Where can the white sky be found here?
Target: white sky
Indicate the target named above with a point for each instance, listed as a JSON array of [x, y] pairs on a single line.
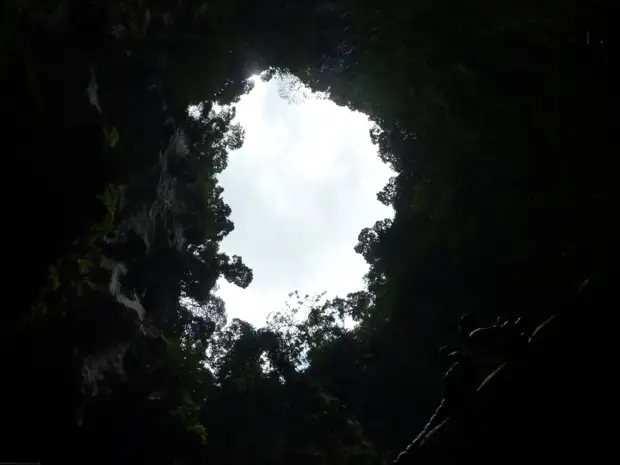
[[301, 188]]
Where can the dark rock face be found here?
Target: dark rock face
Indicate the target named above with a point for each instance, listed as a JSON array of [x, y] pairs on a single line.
[[556, 402]]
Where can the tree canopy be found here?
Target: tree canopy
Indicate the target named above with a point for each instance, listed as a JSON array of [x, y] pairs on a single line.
[[497, 118]]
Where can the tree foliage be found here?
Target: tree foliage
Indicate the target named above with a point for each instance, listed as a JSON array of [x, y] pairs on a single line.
[[497, 118]]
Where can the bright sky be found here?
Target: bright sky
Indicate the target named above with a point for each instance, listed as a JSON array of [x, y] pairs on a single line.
[[301, 188]]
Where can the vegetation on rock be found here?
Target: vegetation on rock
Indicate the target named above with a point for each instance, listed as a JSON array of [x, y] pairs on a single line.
[[498, 120]]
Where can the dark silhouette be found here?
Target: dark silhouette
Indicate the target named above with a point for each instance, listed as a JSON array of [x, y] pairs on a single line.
[[497, 119]]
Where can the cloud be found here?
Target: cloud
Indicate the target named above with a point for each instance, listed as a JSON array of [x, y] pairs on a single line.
[[301, 188]]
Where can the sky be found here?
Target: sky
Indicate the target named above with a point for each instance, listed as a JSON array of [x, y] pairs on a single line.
[[301, 189]]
